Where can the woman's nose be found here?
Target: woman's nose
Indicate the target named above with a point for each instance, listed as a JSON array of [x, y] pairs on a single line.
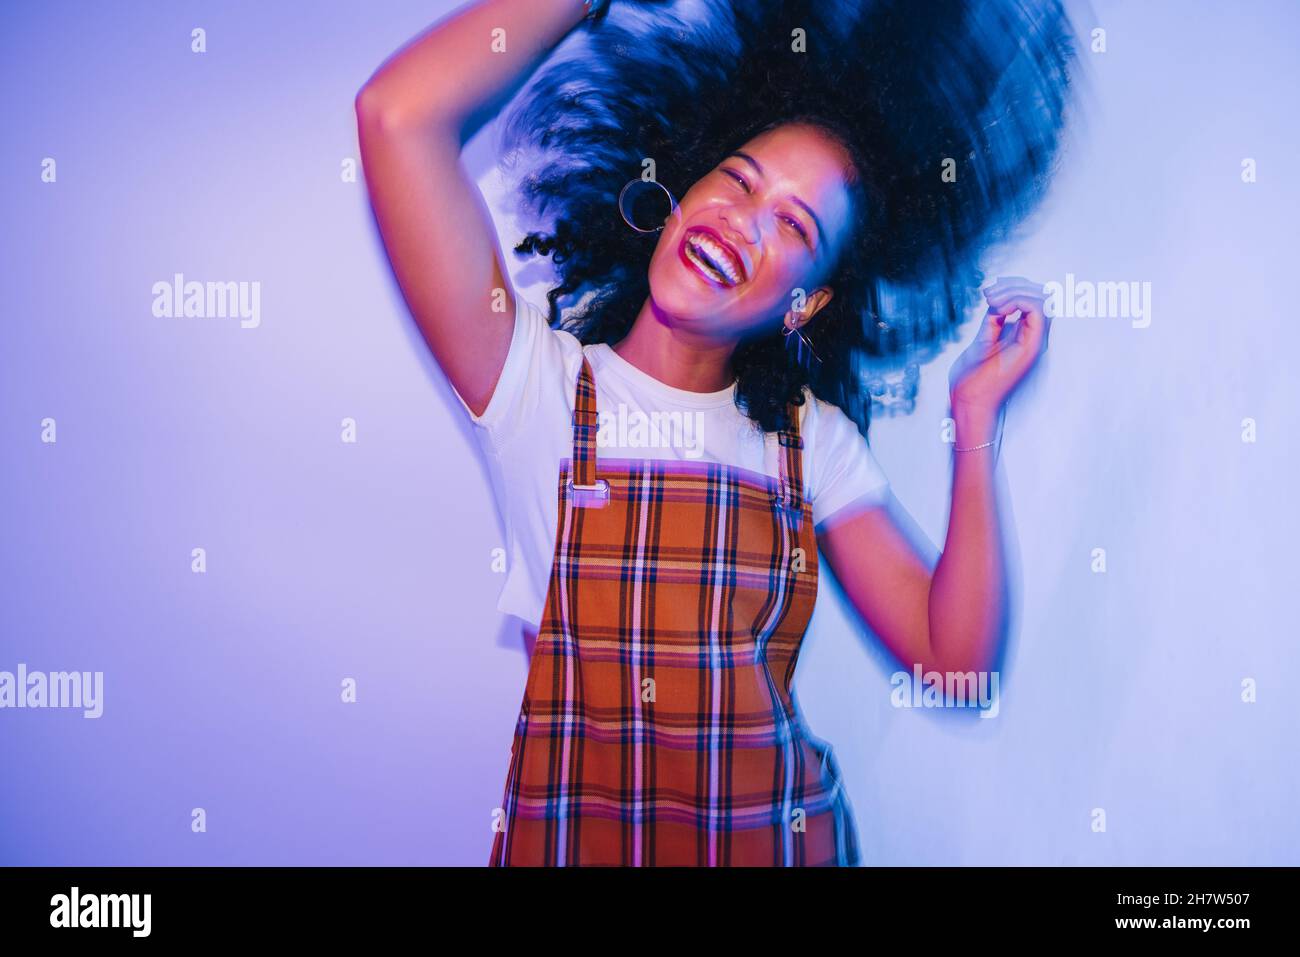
[[742, 222]]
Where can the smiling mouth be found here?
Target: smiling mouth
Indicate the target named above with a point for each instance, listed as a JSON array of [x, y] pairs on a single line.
[[703, 250]]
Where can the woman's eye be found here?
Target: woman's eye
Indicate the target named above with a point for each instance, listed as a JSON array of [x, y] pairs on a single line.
[[738, 178], [798, 226]]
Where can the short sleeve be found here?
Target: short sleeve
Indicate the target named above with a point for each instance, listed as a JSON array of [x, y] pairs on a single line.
[[532, 373], [846, 477]]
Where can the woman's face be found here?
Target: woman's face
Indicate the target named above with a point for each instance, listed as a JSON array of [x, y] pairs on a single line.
[[767, 220]]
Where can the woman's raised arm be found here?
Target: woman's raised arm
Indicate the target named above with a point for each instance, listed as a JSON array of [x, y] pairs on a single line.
[[413, 116]]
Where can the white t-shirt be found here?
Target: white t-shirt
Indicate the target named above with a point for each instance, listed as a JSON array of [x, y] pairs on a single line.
[[527, 432]]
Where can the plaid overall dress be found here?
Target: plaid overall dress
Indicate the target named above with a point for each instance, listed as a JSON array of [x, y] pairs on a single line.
[[657, 724]]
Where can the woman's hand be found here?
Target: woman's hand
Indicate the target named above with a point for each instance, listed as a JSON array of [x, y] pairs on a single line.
[[1000, 357]]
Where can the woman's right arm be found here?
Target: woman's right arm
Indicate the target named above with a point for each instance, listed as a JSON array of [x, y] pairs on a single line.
[[413, 116]]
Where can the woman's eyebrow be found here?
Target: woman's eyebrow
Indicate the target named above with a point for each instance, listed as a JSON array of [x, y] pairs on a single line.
[[794, 199]]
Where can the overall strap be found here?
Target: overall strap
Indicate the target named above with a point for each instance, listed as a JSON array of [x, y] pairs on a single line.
[[791, 447], [584, 427]]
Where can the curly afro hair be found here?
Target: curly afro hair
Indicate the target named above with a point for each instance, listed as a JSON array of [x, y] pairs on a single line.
[[951, 112]]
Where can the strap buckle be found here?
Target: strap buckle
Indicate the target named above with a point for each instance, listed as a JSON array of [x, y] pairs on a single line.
[[595, 495]]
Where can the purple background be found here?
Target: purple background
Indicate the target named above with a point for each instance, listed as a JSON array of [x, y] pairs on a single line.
[[372, 560]]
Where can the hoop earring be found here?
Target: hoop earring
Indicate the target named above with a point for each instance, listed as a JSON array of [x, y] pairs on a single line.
[[800, 349], [672, 204]]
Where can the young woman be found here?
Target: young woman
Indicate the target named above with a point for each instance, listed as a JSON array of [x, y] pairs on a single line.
[[823, 154]]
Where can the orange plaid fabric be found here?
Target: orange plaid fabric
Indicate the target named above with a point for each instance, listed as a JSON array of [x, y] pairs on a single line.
[[657, 725]]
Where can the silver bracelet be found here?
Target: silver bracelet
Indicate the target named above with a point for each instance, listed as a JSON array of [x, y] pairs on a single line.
[[985, 445]]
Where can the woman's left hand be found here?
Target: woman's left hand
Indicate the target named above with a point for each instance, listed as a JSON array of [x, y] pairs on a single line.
[[999, 358]]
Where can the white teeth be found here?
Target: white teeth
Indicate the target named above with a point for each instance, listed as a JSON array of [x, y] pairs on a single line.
[[704, 265], [719, 256]]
